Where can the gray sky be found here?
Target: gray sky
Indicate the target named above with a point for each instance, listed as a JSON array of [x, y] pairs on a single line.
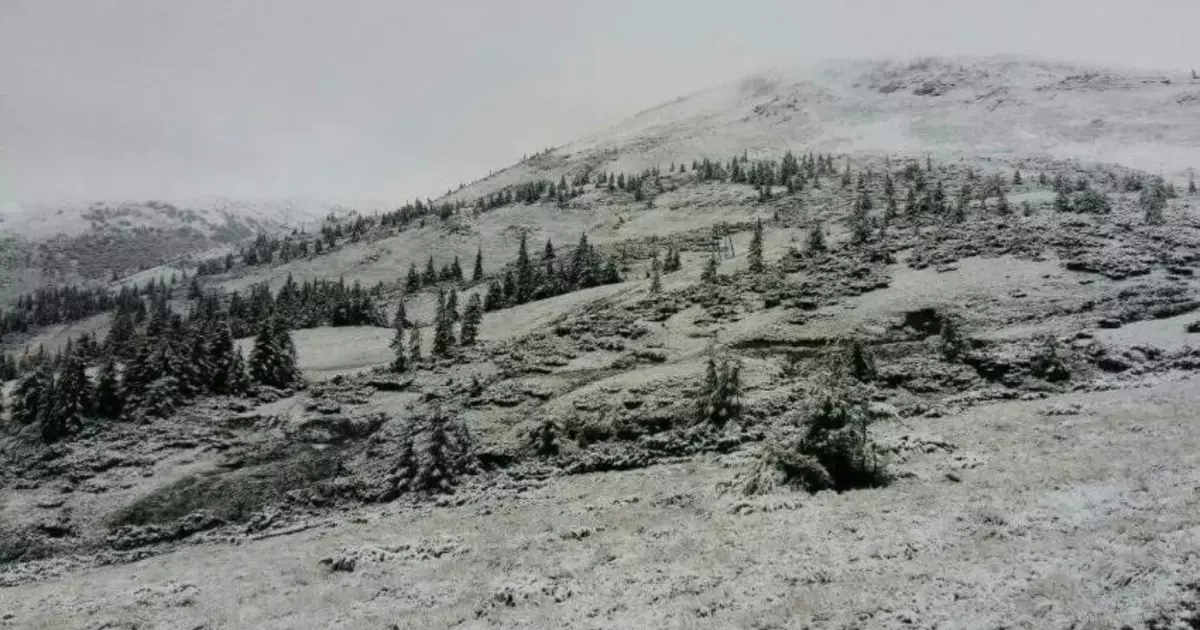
[[347, 99]]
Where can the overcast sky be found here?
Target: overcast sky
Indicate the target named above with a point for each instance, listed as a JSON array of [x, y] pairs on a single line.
[[135, 99]]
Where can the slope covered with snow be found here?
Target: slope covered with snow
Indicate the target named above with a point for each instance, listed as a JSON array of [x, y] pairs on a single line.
[[947, 107]]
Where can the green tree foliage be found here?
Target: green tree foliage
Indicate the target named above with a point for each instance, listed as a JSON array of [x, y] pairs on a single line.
[[756, 249], [29, 394], [471, 320], [1153, 200], [400, 320], [1091, 201], [70, 404], [429, 277], [953, 345], [860, 363], [720, 394], [413, 283], [816, 237], [838, 439], [435, 451], [273, 357], [477, 274], [414, 347], [443, 329], [108, 403], [400, 358]]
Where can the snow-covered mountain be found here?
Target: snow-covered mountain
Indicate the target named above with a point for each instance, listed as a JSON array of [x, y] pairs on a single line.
[[221, 219], [948, 107]]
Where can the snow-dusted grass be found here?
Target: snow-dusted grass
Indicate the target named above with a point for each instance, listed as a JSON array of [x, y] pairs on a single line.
[[1056, 522]]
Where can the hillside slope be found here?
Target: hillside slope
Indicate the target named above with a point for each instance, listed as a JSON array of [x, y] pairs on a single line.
[[947, 107], [848, 396]]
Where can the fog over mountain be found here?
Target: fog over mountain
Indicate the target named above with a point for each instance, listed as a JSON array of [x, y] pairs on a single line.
[[372, 100]]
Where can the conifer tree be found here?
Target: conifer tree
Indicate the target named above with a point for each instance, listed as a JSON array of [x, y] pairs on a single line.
[[71, 403], [414, 346], [413, 283], [400, 359], [443, 329], [429, 278], [860, 222], [960, 206], [524, 279], [400, 320], [719, 400], [28, 395], [456, 272], [452, 305], [816, 237], [224, 357], [756, 250], [477, 274], [109, 403], [471, 320], [273, 357], [239, 375], [655, 277], [1153, 200], [119, 343], [1192, 184]]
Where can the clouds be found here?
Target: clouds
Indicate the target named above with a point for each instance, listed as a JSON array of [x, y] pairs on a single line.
[[374, 99]]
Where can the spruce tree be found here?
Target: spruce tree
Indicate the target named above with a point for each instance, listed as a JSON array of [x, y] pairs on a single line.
[[120, 341], [1192, 184], [429, 278], [400, 321], [471, 320], [72, 401], [655, 278], [414, 346], [1153, 200], [443, 329], [452, 305], [456, 272], [28, 395], [756, 251], [816, 237], [477, 274], [223, 355], [1016, 180], [400, 360], [108, 403], [860, 222], [524, 279], [273, 357], [239, 376], [413, 283]]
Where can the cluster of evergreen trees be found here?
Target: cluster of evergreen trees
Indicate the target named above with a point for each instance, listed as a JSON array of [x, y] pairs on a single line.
[[171, 359], [49, 306], [407, 348], [526, 280], [789, 171], [431, 276]]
